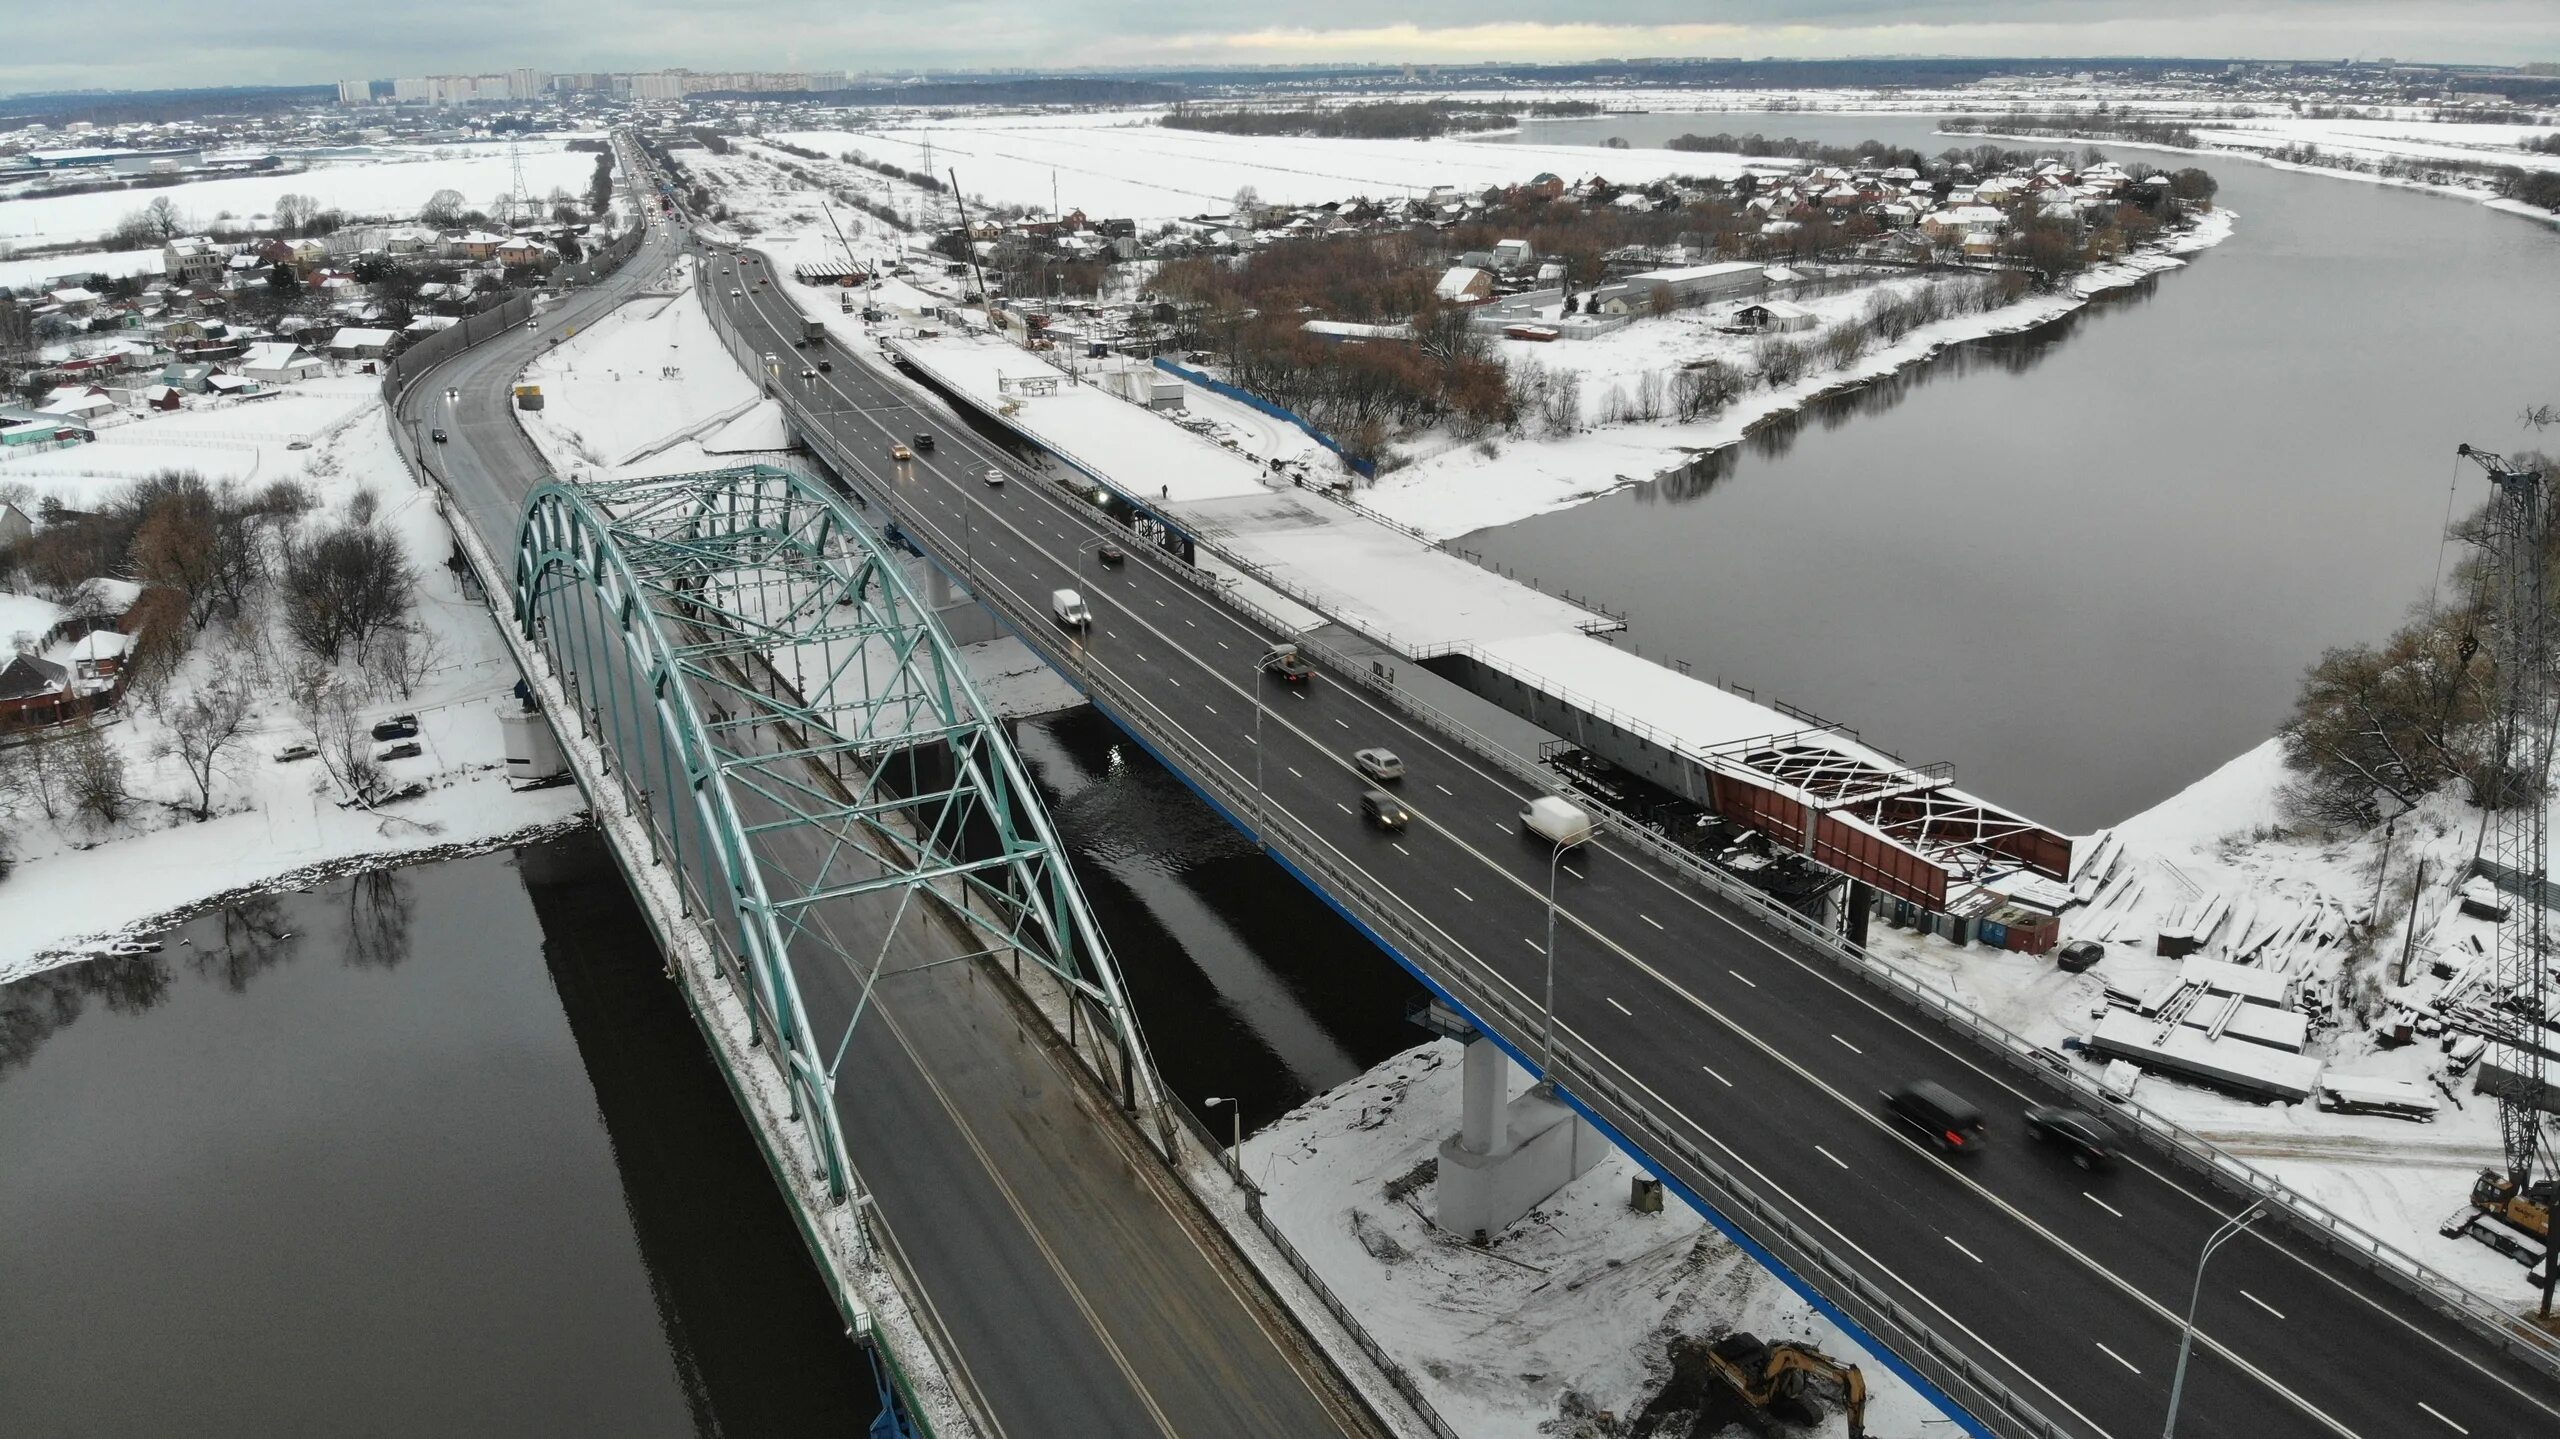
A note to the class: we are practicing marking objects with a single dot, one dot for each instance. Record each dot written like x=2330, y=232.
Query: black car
x=1110, y=555
x=1948, y=1119
x=2078, y=955
x=1384, y=810
x=924, y=442
x=406, y=749
x=436, y=435
x=2082, y=1135
x=826, y=367
x=397, y=727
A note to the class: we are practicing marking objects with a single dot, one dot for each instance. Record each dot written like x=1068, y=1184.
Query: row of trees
x=1386, y=120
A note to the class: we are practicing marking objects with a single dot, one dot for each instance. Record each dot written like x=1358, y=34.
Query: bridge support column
x=937, y=587
x=1507, y=1157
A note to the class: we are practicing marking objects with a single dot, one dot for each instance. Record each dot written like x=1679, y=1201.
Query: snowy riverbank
x=82, y=888
x=1464, y=488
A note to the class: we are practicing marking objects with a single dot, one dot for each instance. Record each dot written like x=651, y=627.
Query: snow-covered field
x=78, y=886
x=1121, y=164
x=390, y=184
x=1580, y=1297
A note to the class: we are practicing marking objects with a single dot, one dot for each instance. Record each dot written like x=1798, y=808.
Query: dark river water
x=2089, y=564
x=435, y=1151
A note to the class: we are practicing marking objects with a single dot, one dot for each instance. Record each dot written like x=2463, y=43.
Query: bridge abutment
x=1507, y=1157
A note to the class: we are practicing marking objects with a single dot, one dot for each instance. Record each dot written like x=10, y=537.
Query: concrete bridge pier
x=1507, y=1158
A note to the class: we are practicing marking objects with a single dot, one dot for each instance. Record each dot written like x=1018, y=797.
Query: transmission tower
x=2517, y=529
x=518, y=203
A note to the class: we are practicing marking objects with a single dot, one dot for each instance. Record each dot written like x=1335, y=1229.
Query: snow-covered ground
x=78, y=886
x=1581, y=1297
x=36, y=272
x=391, y=183
x=1121, y=164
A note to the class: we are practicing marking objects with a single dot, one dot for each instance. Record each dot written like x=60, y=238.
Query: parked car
x=1111, y=555
x=396, y=727
x=406, y=749
x=298, y=444
x=1384, y=810
x=901, y=453
x=293, y=752
x=436, y=435
x=1285, y=663
x=1948, y=1119
x=1379, y=764
x=2079, y=954
x=2082, y=1135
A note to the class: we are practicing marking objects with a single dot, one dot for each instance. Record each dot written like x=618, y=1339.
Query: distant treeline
x=1784, y=147
x=2078, y=127
x=992, y=92
x=1385, y=120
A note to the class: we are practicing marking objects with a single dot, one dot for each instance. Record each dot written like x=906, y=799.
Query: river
x=2088, y=564
x=431, y=1151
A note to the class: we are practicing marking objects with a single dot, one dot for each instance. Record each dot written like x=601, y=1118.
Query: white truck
x=1069, y=607
x=1555, y=821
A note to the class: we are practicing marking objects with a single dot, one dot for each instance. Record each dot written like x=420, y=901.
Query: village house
x=193, y=260
x=278, y=362
x=358, y=343
x=34, y=692
x=15, y=527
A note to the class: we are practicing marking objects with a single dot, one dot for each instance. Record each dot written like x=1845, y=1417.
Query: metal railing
x=2507, y=1330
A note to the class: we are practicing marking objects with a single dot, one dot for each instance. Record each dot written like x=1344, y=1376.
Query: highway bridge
x=1062, y=1277
x=1731, y=1050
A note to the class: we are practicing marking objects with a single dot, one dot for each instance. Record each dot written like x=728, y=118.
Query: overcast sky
x=143, y=44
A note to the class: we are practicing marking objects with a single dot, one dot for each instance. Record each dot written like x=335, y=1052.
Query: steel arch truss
x=816, y=744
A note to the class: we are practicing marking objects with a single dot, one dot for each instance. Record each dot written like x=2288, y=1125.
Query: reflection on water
x=1246, y=985
x=438, y=1147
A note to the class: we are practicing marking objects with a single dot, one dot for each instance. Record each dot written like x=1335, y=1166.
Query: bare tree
x=294, y=211
x=167, y=221
x=404, y=656
x=345, y=743
x=342, y=588
x=203, y=731
x=93, y=774
x=443, y=208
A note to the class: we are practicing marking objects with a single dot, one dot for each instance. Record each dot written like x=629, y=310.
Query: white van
x=1068, y=606
x=1555, y=821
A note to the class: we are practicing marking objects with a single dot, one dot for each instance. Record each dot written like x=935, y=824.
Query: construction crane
x=969, y=245
x=2509, y=1014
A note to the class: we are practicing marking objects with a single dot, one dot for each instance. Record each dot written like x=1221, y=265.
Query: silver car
x=1379, y=764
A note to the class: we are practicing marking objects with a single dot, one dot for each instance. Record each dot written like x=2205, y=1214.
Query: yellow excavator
x=1771, y=1380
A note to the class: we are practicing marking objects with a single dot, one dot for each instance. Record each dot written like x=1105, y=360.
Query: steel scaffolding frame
x=817, y=741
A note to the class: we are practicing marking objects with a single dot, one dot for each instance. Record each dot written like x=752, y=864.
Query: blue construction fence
x=1365, y=469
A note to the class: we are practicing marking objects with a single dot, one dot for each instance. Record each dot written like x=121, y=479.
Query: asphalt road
x=1081, y=1289
x=2068, y=1286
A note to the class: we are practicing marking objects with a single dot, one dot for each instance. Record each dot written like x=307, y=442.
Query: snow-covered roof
x=102, y=644
x=356, y=337
x=1456, y=283
x=273, y=355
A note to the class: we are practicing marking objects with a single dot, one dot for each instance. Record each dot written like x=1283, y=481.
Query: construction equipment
x=1771, y=1380
x=2515, y=534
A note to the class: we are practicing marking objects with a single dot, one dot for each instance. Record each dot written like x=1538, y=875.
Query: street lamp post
x=1547, y=1059
x=1257, y=729
x=1235, y=1151
x=2186, y=1341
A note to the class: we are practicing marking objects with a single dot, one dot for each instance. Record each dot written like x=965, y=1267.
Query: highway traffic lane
x=2165, y=1276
